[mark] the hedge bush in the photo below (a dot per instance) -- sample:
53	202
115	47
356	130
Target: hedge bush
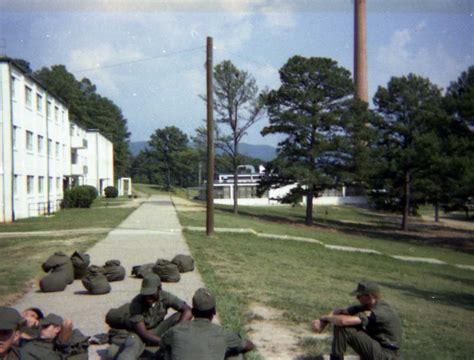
79	197
111	192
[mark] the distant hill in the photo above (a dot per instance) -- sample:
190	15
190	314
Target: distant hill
263	152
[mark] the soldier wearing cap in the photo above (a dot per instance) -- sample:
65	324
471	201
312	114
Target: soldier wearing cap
10	320
147	319
57	340
371	328
200	339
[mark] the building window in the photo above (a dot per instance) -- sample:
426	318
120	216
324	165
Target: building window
28	96
71	130
74	157
48	109
40	144
13	90
56	114
39	103
50	147
30	185
63	117
57	149
15	185
50	184
58	184
14	133
29	140
40	184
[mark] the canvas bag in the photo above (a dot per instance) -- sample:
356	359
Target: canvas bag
119	318
60	262
185	263
95	282
140	270
80	262
113	271
166	270
54	281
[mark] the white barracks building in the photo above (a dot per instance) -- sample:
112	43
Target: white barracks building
42	152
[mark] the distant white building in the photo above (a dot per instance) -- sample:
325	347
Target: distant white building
248	180
41	151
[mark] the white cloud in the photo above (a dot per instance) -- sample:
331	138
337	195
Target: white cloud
401	56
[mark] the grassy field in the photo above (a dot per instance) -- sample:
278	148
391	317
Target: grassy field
303	280
23	256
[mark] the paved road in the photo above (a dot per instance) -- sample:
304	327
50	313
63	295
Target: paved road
150	232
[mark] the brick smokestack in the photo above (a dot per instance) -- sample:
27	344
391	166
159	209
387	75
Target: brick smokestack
360	51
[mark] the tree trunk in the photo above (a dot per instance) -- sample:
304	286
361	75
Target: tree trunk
406	201
236	182
436	212
309	207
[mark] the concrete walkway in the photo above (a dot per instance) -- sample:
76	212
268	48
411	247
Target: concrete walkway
150	232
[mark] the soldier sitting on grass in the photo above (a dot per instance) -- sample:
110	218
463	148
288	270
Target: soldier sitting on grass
372	328
200	339
146	319
10	321
57	340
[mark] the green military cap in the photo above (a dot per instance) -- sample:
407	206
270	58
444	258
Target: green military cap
51	319
204	300
9	318
366	288
150	283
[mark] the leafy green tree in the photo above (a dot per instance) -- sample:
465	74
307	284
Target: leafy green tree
411	111
170	151
310	108
237	108
89	109
459	100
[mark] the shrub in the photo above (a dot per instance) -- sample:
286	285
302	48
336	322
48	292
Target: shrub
92	190
111	192
79	197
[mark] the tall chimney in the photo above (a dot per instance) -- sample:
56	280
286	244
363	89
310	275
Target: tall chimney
360	51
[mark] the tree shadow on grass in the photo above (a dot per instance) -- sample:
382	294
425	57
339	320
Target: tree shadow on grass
385	228
452	298
464	281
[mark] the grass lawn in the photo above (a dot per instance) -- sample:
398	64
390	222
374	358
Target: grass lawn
22	256
304	280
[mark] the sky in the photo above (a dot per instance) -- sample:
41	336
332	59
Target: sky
148	56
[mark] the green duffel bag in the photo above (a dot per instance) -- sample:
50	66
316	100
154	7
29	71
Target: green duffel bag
113	271
54	281
185	263
80	263
57	259
95	282
119	318
140	270
167	271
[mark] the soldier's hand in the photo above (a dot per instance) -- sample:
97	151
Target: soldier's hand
316	325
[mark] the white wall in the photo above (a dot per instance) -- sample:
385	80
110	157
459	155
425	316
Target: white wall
100	161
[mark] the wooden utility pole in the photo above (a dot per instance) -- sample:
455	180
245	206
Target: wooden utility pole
210	141
360	51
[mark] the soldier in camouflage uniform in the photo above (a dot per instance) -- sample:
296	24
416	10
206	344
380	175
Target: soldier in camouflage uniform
200	339
371	328
147	319
10	320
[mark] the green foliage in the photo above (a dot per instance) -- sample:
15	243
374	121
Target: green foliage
311	109
169	160
409	140
237	107
89	109
111	192
79	197
459	99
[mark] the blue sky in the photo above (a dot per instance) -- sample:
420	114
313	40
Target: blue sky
431	38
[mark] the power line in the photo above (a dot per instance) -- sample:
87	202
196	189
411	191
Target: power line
140	60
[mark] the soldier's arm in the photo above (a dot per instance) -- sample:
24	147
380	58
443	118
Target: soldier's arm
341	320
186	313
66	332
145	335
319	325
